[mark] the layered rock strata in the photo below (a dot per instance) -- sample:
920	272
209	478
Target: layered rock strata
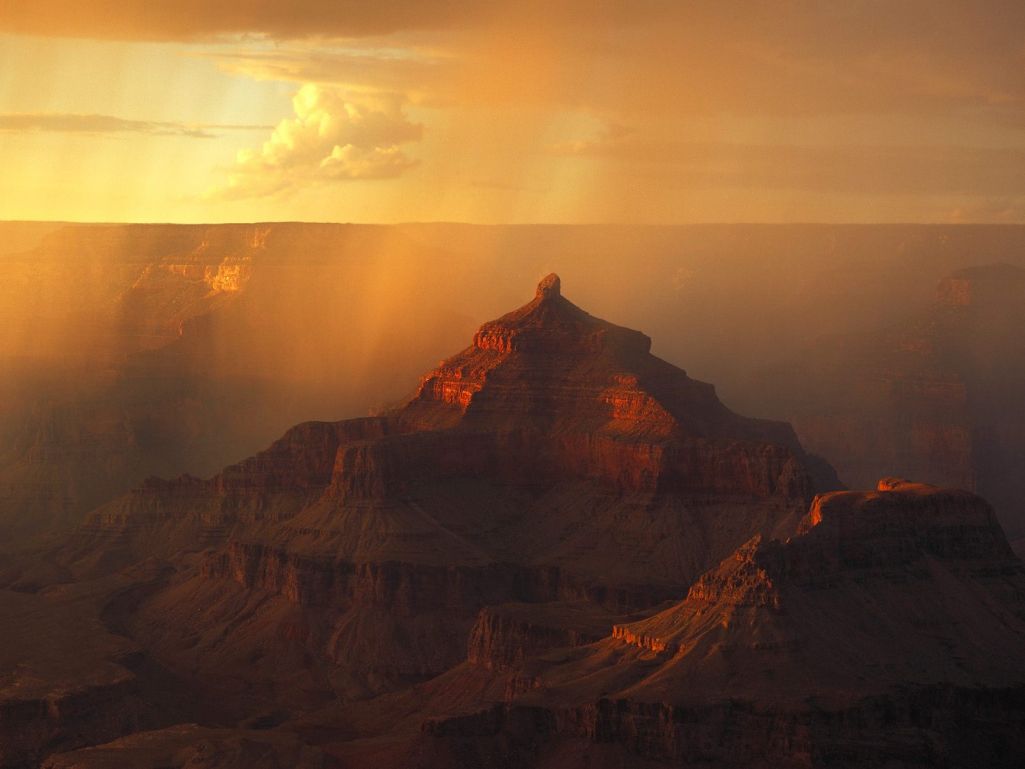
889	628
553	460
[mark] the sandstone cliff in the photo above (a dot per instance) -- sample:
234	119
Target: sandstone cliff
555	461
491	574
938	396
890	628
138	350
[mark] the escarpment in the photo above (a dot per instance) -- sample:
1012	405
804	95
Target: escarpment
891	624
560	551
567	398
938	396
503	636
554	465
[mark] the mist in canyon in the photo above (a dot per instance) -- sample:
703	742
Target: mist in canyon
137	350
248	517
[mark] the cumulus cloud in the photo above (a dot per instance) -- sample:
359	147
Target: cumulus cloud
331	138
63	122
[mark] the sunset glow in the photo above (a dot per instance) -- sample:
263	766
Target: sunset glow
649	112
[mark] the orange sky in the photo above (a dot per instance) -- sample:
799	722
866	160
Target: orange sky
559	111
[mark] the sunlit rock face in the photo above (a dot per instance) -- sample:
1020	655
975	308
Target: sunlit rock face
137	350
557	545
551	479
603	406
894	611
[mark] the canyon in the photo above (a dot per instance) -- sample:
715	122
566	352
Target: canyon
555	549
138	350
888	628
553	463
937	397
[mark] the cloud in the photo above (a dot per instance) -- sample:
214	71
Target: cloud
842	102
198	19
423	75
796	58
62	122
330	139
935	58
827	168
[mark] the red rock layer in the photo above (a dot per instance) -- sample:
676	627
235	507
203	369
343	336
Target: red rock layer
565	397
891	626
554	460
504	636
938	397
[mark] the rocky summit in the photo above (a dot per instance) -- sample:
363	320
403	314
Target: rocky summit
559	550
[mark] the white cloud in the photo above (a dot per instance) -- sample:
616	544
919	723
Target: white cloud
331	138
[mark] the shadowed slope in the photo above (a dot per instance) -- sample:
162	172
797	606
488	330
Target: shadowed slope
554	460
892	626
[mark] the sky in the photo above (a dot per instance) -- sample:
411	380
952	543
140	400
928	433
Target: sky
569	111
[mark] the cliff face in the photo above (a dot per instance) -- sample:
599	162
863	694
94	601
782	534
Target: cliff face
491	573
138	350
553	462
65	680
938	397
192	745
618	413
504	636
890	626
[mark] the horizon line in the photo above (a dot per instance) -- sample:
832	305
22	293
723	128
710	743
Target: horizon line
454	223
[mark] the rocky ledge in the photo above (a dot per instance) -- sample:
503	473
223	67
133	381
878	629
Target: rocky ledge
891	625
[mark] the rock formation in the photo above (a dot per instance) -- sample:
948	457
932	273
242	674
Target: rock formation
491	573
890	629
194	746
554	460
939	396
137	350
551	479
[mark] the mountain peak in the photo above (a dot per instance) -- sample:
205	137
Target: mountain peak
550	286
550	366
551	323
